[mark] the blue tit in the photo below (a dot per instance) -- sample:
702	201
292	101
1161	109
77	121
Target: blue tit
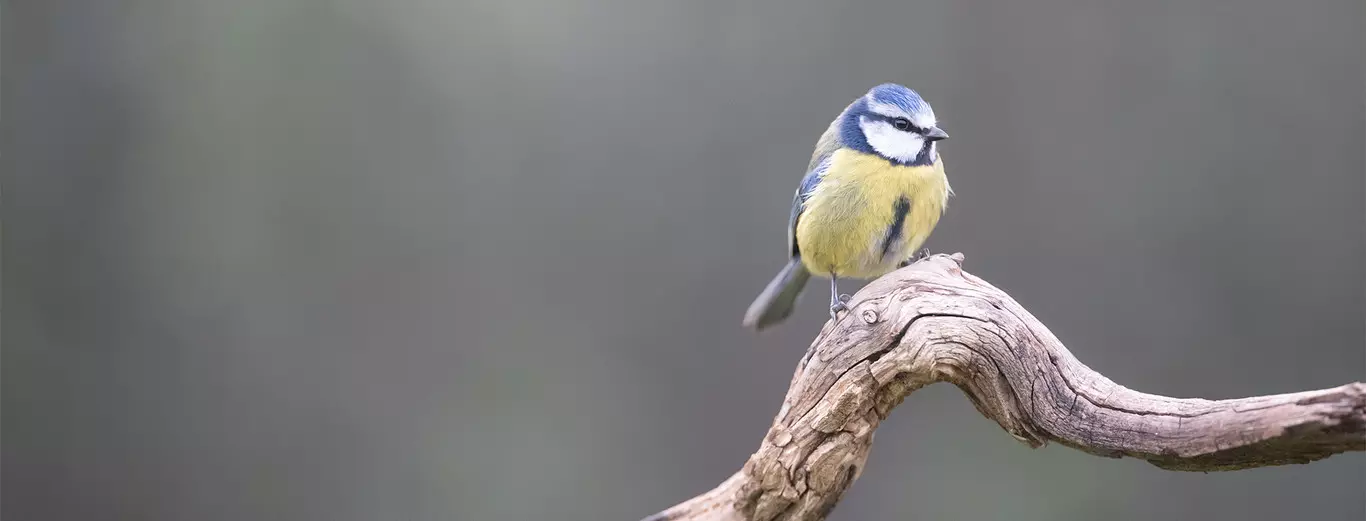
873	191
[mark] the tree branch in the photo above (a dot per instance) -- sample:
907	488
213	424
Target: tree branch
932	322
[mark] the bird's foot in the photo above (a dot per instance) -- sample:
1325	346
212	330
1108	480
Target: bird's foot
836	309
919	256
841	304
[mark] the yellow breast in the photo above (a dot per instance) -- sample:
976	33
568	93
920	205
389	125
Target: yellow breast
844	227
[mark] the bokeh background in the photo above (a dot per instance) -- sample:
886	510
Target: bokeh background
448	260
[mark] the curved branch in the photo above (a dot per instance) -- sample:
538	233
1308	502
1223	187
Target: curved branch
932	322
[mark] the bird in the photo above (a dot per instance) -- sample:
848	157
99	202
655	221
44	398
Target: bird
874	189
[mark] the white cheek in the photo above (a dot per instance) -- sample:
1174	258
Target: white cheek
890	142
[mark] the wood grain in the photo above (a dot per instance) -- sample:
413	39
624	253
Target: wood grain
932	322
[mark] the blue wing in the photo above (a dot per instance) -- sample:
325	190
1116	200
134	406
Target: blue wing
809	183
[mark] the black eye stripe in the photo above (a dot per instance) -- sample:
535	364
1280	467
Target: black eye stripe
905	125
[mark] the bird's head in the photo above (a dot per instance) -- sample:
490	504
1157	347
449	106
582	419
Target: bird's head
892	121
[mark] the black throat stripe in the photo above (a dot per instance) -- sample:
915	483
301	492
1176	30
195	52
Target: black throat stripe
898	224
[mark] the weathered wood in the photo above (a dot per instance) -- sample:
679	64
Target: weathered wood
932	322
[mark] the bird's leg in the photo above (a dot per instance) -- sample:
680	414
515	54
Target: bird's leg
837	301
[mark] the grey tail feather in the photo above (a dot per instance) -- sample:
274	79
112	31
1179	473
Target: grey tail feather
777	300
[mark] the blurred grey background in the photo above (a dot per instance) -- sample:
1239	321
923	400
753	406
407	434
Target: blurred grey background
442	260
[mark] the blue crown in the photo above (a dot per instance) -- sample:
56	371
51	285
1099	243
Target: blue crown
900	97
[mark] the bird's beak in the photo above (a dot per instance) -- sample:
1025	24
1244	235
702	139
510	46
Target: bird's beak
936	134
